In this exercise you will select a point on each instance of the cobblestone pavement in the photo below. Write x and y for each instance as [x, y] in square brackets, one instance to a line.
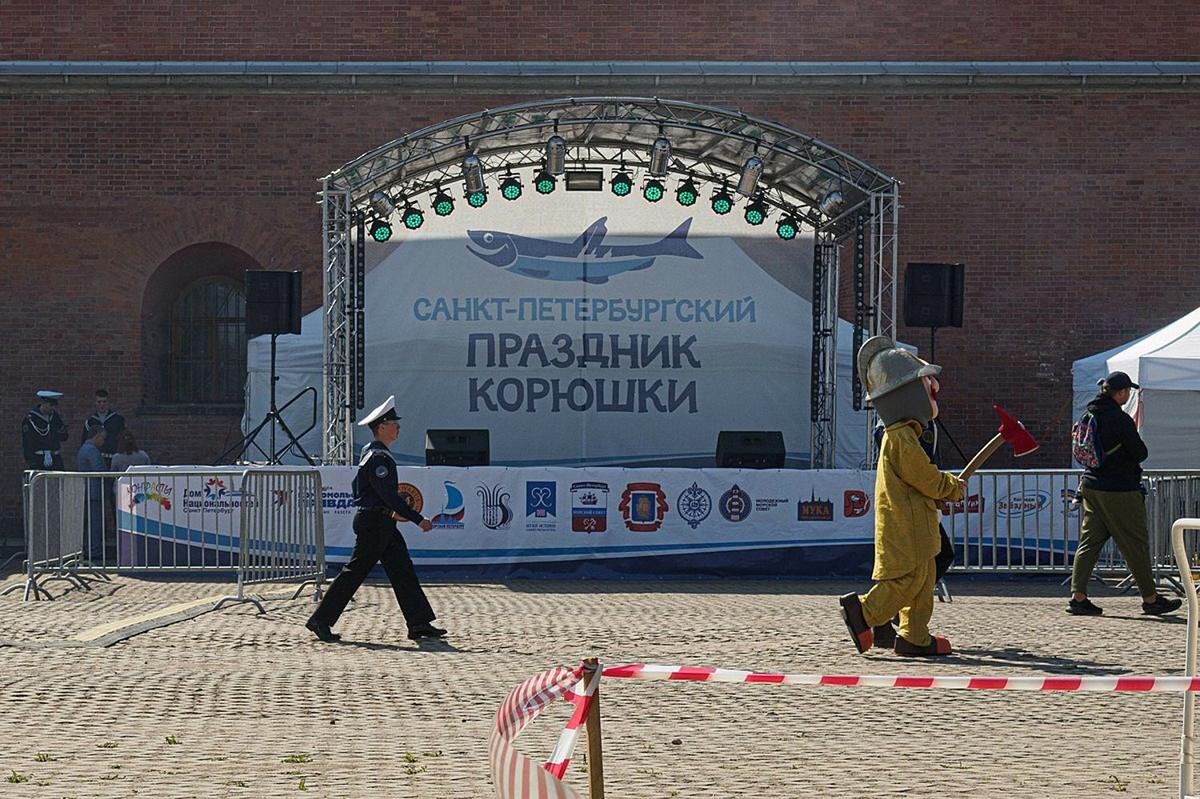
[235, 704]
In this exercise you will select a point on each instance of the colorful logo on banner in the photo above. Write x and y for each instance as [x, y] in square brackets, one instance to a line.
[694, 505]
[412, 495]
[643, 506]
[586, 259]
[855, 503]
[734, 504]
[972, 504]
[1023, 503]
[453, 511]
[146, 491]
[215, 488]
[814, 510]
[589, 507]
[280, 497]
[496, 512]
[541, 505]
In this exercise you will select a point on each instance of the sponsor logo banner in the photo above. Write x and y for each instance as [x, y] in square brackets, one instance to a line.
[643, 506]
[589, 507]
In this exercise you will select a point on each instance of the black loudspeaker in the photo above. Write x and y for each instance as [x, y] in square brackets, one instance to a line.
[272, 302]
[750, 449]
[933, 295]
[457, 448]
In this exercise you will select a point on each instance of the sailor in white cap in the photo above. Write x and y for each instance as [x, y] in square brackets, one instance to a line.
[377, 539]
[42, 433]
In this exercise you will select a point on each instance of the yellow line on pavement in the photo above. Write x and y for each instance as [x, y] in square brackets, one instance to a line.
[95, 633]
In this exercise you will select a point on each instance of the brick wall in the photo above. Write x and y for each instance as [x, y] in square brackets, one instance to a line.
[801, 30]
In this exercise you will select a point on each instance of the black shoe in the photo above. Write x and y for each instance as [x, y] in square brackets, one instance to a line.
[1161, 605]
[885, 635]
[322, 631]
[1084, 607]
[426, 630]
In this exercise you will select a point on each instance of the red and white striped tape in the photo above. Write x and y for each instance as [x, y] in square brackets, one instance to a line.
[1127, 683]
[515, 775]
[581, 696]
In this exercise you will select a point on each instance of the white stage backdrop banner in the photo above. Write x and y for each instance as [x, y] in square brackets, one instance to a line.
[585, 520]
[585, 330]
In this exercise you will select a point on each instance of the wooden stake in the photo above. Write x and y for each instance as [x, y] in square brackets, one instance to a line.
[595, 753]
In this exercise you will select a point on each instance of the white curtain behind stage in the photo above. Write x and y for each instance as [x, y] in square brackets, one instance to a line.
[576, 330]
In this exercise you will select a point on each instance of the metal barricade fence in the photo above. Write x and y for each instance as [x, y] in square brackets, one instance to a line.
[80, 526]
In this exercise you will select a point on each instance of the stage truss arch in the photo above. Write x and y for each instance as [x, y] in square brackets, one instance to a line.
[845, 202]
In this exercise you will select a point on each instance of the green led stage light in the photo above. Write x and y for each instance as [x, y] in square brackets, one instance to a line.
[380, 230]
[443, 204]
[413, 217]
[477, 198]
[687, 193]
[722, 203]
[787, 228]
[653, 191]
[622, 184]
[510, 189]
[756, 212]
[545, 182]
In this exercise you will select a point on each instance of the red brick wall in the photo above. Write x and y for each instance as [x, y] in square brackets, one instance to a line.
[801, 30]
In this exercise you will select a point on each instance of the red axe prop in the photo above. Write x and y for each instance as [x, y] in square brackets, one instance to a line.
[1011, 431]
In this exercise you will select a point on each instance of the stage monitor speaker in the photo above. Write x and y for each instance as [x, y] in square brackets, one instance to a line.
[933, 295]
[750, 449]
[457, 448]
[272, 302]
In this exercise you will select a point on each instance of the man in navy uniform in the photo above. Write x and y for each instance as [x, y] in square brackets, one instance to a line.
[377, 539]
[43, 432]
[112, 422]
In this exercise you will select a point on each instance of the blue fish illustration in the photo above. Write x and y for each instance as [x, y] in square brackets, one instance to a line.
[587, 258]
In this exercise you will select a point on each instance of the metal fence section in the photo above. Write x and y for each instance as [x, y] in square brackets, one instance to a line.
[1184, 555]
[282, 531]
[261, 524]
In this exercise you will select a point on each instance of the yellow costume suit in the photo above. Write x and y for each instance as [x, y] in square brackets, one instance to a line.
[907, 487]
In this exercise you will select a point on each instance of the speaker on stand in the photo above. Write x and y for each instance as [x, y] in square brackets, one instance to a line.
[933, 297]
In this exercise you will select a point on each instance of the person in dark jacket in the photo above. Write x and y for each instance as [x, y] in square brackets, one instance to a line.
[1113, 503]
[380, 506]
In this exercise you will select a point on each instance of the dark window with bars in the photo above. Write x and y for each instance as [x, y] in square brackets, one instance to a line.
[208, 343]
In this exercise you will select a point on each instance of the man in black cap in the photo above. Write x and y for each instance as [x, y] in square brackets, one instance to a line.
[112, 422]
[1113, 503]
[43, 432]
[377, 539]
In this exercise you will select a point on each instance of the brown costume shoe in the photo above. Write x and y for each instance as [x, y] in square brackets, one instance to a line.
[860, 631]
[937, 647]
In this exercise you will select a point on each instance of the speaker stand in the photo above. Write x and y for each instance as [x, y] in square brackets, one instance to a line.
[272, 418]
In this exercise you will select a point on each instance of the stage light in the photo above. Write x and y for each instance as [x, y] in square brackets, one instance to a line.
[751, 172]
[383, 205]
[831, 202]
[756, 212]
[413, 217]
[381, 230]
[510, 189]
[687, 193]
[660, 155]
[556, 155]
[622, 184]
[476, 199]
[472, 171]
[787, 228]
[545, 182]
[653, 191]
[722, 203]
[443, 204]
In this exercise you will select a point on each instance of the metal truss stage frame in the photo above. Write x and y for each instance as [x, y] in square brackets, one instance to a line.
[843, 201]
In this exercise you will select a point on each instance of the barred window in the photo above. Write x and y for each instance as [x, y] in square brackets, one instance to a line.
[207, 362]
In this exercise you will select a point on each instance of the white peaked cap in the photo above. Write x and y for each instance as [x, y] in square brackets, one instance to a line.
[387, 410]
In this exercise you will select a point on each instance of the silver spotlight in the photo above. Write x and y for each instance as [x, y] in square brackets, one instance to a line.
[660, 154]
[751, 172]
[556, 155]
[473, 173]
[383, 205]
[831, 202]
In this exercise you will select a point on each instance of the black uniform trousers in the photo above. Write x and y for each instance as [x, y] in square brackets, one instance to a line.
[376, 540]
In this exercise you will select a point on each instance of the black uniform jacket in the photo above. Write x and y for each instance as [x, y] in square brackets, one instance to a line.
[376, 481]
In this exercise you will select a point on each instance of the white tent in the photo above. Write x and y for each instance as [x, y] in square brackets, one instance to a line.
[1166, 364]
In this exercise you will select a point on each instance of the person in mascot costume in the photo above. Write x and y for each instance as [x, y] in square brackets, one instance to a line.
[903, 388]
